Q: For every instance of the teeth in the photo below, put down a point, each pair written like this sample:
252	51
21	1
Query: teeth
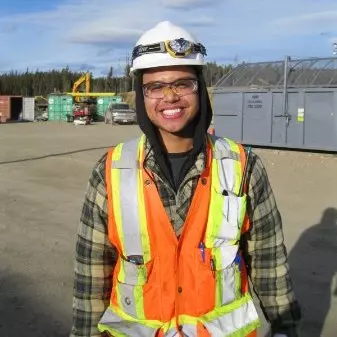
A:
171	111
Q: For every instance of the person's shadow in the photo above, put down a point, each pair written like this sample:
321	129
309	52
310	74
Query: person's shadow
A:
313	264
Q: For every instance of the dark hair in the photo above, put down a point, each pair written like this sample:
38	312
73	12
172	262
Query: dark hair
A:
197	129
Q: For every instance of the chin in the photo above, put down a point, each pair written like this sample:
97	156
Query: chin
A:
175	131
181	130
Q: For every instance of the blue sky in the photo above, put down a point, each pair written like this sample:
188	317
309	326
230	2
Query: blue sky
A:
96	34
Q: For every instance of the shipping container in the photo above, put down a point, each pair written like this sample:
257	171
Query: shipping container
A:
10	108
103	104
28	110
291	104
59	107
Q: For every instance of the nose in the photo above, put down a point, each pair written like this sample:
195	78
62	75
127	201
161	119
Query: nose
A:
170	95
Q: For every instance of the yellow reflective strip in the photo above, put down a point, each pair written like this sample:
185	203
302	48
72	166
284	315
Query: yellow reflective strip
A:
243	210
142	276
141	206
218	277
237	164
139	298
112	332
121	272
118	296
233	145
117	152
215	186
115	177
184	319
246	329
216	204
155	324
225	309
172	324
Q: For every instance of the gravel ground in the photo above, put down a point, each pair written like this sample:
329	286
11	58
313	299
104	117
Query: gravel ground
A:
44	168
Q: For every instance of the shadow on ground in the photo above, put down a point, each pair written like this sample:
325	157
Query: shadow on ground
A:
26	312
313	264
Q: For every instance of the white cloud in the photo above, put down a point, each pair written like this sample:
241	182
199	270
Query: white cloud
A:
100	33
201	22
187	4
106	36
316	22
74	33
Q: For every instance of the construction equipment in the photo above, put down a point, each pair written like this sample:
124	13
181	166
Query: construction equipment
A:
83	109
92	94
84	79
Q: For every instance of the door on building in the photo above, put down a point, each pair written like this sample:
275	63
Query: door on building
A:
320	120
287	127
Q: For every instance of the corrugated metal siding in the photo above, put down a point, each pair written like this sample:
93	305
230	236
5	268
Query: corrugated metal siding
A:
28	110
10	108
59	106
258	117
5	113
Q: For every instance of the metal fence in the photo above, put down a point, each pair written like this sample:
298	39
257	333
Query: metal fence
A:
312	72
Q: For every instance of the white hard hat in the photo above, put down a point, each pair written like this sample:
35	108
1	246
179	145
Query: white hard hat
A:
167	45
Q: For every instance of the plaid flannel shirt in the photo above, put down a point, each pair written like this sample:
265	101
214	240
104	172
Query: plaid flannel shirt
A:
265	253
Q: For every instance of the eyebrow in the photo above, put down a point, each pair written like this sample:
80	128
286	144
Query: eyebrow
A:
178	79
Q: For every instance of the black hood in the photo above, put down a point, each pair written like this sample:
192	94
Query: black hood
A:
197	129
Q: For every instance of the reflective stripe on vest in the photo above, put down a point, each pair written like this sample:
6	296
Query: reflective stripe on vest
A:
224	228
233	312
127	195
118	324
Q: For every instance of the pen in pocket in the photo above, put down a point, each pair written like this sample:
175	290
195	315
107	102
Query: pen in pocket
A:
202	251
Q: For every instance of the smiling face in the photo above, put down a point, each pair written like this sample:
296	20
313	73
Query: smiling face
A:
171	113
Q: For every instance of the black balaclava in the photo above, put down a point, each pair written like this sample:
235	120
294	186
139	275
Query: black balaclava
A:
197	128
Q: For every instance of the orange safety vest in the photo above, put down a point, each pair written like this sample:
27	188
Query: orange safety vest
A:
196	285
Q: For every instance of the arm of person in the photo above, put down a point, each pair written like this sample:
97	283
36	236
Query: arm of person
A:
266	255
95	258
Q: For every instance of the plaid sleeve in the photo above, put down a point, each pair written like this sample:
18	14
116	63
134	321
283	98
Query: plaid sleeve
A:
266	254
95	258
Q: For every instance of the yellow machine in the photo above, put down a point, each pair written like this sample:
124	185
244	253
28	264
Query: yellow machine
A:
86	79
92	94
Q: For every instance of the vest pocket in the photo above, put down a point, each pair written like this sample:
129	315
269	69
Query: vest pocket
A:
227	214
133	274
233	213
227	274
131	279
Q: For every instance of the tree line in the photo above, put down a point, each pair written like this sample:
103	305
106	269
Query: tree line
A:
43	83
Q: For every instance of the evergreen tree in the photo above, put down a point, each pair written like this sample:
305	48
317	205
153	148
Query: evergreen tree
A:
43	83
